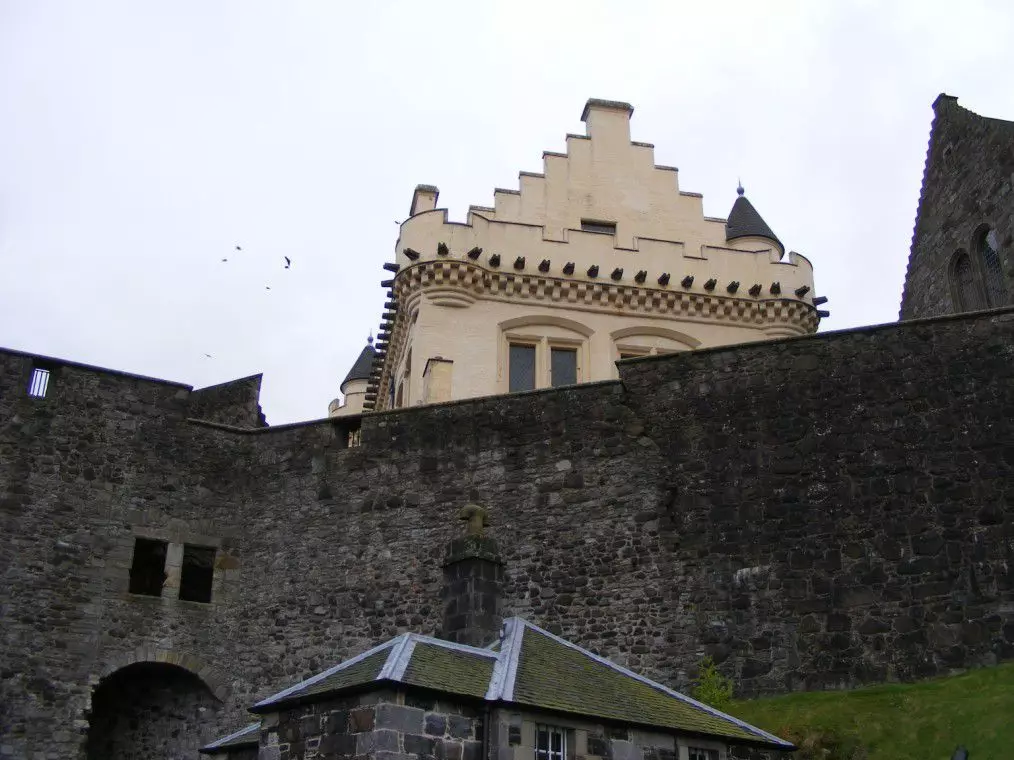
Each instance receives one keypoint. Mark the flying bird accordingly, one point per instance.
(267, 287)
(238, 248)
(288, 261)
(209, 356)
(225, 259)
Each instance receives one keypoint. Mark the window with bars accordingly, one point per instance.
(521, 367)
(992, 270)
(700, 753)
(563, 366)
(38, 384)
(550, 743)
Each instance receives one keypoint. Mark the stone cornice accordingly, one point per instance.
(454, 282)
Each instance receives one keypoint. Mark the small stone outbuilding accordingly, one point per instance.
(530, 695)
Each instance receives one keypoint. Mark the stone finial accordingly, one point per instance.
(477, 519)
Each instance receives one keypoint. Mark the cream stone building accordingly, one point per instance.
(600, 257)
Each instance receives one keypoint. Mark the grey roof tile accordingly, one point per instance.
(744, 221)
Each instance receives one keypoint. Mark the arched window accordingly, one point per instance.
(963, 283)
(992, 271)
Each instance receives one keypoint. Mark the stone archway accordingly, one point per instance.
(153, 706)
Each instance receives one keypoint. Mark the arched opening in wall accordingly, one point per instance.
(964, 285)
(988, 247)
(151, 709)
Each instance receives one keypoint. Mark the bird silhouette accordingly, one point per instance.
(238, 248)
(225, 259)
(267, 287)
(209, 356)
(288, 261)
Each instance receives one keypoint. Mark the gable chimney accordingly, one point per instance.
(473, 583)
(607, 121)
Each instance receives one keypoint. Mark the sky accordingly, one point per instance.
(142, 142)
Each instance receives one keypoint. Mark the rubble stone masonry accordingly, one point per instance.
(814, 512)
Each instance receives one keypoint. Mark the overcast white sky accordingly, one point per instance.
(141, 141)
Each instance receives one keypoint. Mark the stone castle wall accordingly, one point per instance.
(814, 512)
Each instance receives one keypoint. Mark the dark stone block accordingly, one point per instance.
(459, 727)
(406, 720)
(419, 745)
(436, 725)
(361, 720)
(597, 745)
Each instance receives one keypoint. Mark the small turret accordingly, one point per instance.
(745, 222)
(353, 387)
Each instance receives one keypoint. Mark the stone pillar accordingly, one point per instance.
(473, 584)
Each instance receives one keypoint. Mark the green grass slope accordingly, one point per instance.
(918, 721)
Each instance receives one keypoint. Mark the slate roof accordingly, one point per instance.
(363, 365)
(529, 667)
(744, 221)
(245, 737)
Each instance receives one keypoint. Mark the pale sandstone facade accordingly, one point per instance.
(524, 272)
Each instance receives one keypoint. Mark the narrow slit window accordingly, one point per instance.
(966, 288)
(563, 365)
(197, 573)
(700, 753)
(603, 228)
(521, 367)
(147, 569)
(39, 383)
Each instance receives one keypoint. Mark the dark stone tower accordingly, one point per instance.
(473, 583)
(962, 256)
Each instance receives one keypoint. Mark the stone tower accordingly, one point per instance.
(962, 256)
(353, 387)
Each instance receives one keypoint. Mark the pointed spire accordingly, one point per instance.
(744, 221)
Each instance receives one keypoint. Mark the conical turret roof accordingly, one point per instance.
(363, 366)
(744, 221)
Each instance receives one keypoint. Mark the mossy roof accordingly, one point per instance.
(556, 676)
(530, 667)
(450, 670)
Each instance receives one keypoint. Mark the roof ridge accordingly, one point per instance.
(398, 660)
(658, 686)
(329, 672)
(233, 735)
(510, 653)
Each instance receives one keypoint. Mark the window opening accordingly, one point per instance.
(563, 366)
(197, 573)
(39, 383)
(699, 753)
(996, 288)
(521, 367)
(147, 570)
(550, 743)
(604, 228)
